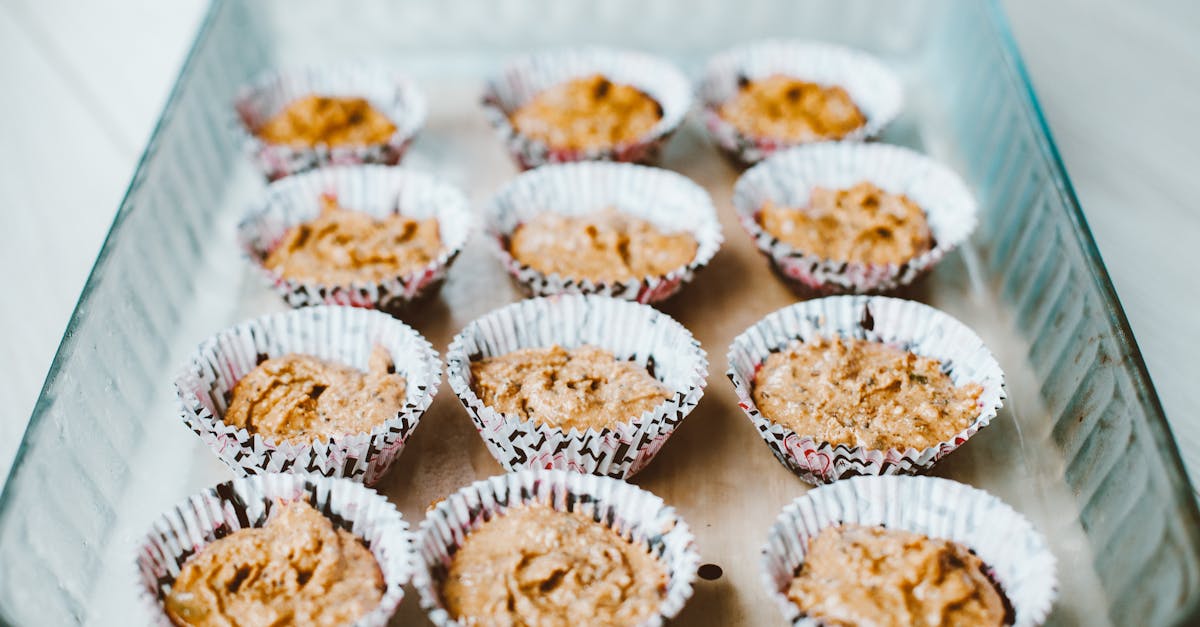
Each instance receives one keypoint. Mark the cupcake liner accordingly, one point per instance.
(243, 503)
(340, 334)
(875, 88)
(636, 514)
(630, 331)
(1016, 554)
(526, 76)
(394, 95)
(906, 325)
(669, 200)
(373, 189)
(788, 178)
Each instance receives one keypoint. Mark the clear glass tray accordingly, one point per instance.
(1081, 447)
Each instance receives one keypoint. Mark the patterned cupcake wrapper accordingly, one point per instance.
(789, 177)
(630, 331)
(526, 76)
(670, 201)
(376, 190)
(1016, 554)
(340, 334)
(636, 514)
(875, 88)
(394, 95)
(907, 325)
(243, 503)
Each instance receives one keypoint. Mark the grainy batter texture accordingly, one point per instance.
(538, 567)
(588, 113)
(791, 110)
(314, 120)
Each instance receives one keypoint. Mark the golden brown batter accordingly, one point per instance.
(604, 246)
(862, 224)
(295, 570)
(584, 387)
(860, 393)
(791, 110)
(856, 575)
(586, 113)
(342, 246)
(314, 120)
(301, 397)
(538, 567)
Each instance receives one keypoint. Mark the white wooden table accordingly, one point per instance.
(84, 82)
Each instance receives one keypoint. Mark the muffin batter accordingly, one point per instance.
(314, 120)
(582, 388)
(587, 113)
(342, 246)
(296, 569)
(791, 110)
(300, 397)
(856, 575)
(860, 393)
(604, 246)
(538, 567)
(863, 224)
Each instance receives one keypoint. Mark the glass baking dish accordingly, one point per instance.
(1081, 447)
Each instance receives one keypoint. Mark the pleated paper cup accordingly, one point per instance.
(525, 77)
(636, 514)
(788, 178)
(376, 190)
(630, 331)
(1016, 554)
(342, 335)
(903, 324)
(393, 94)
(244, 503)
(670, 201)
(874, 88)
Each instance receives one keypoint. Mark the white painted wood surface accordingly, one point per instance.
(84, 82)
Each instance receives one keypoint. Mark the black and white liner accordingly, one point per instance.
(907, 325)
(373, 189)
(788, 178)
(873, 87)
(670, 201)
(526, 76)
(636, 514)
(630, 331)
(1016, 554)
(248, 502)
(393, 94)
(343, 335)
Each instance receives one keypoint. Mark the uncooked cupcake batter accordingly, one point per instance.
(332, 121)
(586, 113)
(538, 567)
(862, 224)
(295, 570)
(300, 397)
(606, 245)
(856, 575)
(791, 110)
(860, 393)
(584, 387)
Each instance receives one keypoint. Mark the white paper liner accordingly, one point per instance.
(391, 93)
(373, 189)
(343, 335)
(1015, 552)
(636, 514)
(787, 179)
(873, 87)
(670, 201)
(247, 502)
(907, 325)
(526, 76)
(630, 331)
